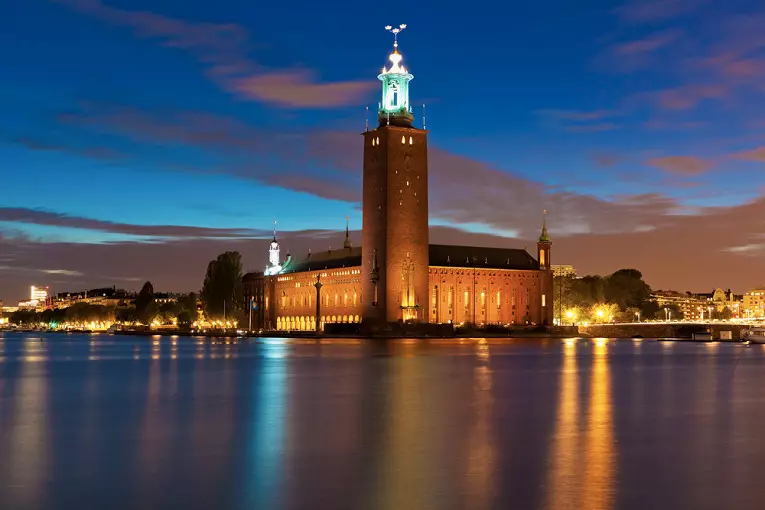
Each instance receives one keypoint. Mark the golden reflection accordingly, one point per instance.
(581, 473)
(403, 451)
(600, 456)
(481, 448)
(564, 474)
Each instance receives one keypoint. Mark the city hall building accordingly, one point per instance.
(396, 275)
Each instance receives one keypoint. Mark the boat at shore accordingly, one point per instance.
(755, 335)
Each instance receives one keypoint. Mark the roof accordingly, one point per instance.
(439, 255)
(481, 257)
(330, 259)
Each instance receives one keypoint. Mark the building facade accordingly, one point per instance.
(397, 275)
(754, 304)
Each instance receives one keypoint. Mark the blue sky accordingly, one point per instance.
(624, 120)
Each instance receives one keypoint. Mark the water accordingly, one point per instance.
(139, 423)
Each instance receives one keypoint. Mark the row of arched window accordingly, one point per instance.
(305, 323)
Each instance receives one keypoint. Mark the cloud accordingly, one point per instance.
(593, 128)
(65, 272)
(297, 88)
(99, 153)
(578, 115)
(580, 120)
(686, 97)
(224, 50)
(757, 154)
(48, 218)
(682, 165)
(647, 11)
(604, 160)
(648, 44)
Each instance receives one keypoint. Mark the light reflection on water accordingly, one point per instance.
(166, 422)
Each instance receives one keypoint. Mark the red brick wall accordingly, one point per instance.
(292, 299)
(395, 217)
(519, 296)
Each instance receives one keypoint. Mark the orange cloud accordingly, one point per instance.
(688, 96)
(223, 48)
(683, 165)
(757, 154)
(298, 88)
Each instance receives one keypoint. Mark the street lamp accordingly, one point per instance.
(571, 316)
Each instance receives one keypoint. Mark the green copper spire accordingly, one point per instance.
(394, 108)
(347, 243)
(544, 237)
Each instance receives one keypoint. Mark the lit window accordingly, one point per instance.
(378, 140)
(410, 140)
(403, 140)
(543, 300)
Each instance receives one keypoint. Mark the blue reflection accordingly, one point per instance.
(269, 420)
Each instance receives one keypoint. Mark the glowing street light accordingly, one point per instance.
(571, 314)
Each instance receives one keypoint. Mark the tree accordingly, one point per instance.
(222, 288)
(187, 309)
(144, 304)
(627, 289)
(724, 314)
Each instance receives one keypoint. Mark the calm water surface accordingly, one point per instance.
(97, 422)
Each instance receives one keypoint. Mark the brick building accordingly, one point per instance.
(397, 275)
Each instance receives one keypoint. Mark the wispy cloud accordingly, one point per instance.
(224, 50)
(687, 96)
(647, 11)
(647, 44)
(48, 218)
(592, 128)
(682, 165)
(99, 153)
(757, 154)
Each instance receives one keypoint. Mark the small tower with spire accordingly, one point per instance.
(274, 264)
(543, 245)
(347, 243)
(546, 278)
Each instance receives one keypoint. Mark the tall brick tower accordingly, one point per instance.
(395, 205)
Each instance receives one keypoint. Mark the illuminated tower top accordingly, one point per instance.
(395, 108)
(274, 265)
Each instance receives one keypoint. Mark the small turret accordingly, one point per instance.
(347, 244)
(543, 245)
(544, 237)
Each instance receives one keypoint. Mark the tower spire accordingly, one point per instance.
(544, 237)
(274, 229)
(347, 243)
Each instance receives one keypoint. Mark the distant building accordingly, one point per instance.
(700, 306)
(563, 270)
(754, 304)
(107, 296)
(39, 294)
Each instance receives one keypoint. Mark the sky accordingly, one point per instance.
(139, 139)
